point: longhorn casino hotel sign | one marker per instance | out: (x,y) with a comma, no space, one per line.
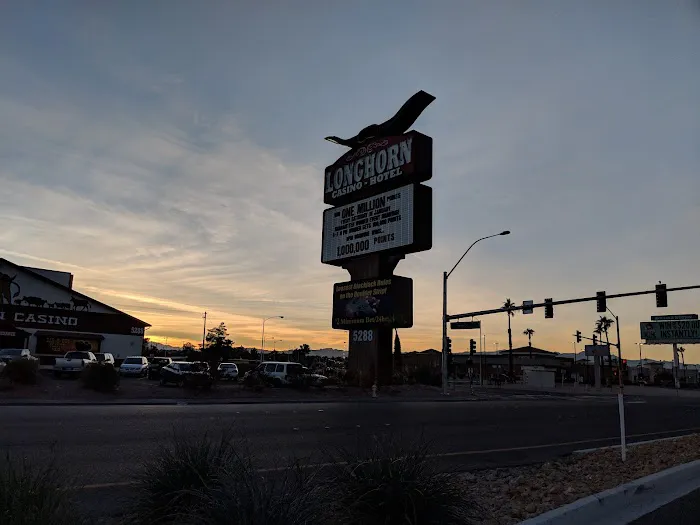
(380,165)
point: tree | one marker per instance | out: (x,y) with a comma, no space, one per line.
(217,344)
(508,307)
(529,332)
(302,352)
(397,352)
(190,352)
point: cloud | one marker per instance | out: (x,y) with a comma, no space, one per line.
(176,170)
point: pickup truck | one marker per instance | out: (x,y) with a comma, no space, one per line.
(73,363)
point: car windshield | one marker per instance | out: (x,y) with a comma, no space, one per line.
(11,351)
(77,355)
(132,361)
(159,361)
(100,357)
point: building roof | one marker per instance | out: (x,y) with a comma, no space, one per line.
(53,283)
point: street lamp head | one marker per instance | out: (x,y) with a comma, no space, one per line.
(506,232)
(281,317)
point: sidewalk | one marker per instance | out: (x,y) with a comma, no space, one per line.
(578,390)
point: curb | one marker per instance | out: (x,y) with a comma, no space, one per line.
(173,402)
(628,502)
(634,444)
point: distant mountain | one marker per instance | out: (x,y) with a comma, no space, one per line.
(330,352)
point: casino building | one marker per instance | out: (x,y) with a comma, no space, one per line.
(40,310)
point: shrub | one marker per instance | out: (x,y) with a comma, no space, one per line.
(24,371)
(102,377)
(178,479)
(205,481)
(391,485)
(33,496)
(247,497)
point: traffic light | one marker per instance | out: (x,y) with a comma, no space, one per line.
(449,345)
(472,347)
(601,302)
(661,297)
(624,364)
(595,340)
(578,336)
(548,309)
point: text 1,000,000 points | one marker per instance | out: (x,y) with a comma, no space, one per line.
(352,248)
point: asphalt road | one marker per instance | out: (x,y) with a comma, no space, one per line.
(102,446)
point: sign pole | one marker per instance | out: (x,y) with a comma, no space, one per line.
(676,380)
(620,395)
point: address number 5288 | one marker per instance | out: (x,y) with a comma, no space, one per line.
(362,336)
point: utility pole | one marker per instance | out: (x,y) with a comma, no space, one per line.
(204,331)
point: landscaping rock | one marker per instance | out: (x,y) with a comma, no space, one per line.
(535,489)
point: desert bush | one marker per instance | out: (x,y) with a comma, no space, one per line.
(33,495)
(388,484)
(102,377)
(247,497)
(177,481)
(213,481)
(24,371)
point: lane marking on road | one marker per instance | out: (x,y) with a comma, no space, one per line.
(684,431)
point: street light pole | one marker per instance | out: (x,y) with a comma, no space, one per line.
(445,276)
(262,341)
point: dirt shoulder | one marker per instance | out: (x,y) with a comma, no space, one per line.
(509,495)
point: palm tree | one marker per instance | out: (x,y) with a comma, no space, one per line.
(529,332)
(602,326)
(508,307)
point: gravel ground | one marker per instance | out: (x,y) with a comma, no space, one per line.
(509,495)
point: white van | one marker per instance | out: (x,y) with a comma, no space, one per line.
(280,372)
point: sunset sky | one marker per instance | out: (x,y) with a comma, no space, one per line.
(170,155)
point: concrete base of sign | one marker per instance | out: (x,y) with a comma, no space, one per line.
(370,351)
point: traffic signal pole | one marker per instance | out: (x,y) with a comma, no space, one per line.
(567,301)
(444,333)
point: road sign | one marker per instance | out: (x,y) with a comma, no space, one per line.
(371,303)
(527,307)
(597,350)
(669,332)
(396,221)
(681,317)
(465,325)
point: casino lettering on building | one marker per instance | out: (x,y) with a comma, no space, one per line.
(40,310)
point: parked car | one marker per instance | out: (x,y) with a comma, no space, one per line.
(183,373)
(228,371)
(134,366)
(317,380)
(105,358)
(280,373)
(155,364)
(16,354)
(73,363)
